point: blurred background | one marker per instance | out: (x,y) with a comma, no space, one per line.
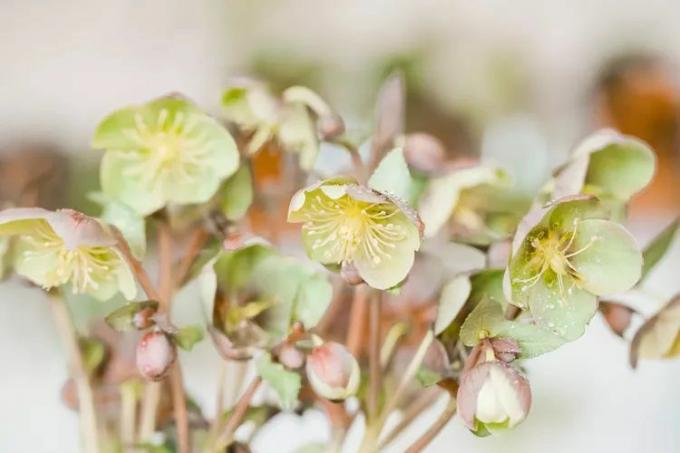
(520,82)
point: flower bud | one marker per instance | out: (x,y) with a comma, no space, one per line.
(493,396)
(330,126)
(424,153)
(290,356)
(155,354)
(332,371)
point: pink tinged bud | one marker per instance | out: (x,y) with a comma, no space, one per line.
(290,356)
(617,316)
(424,153)
(505,349)
(493,394)
(330,126)
(155,355)
(332,371)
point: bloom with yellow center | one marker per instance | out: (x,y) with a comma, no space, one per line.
(566,255)
(65,247)
(347,223)
(165,151)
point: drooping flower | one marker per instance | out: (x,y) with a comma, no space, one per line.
(66,247)
(564,256)
(165,151)
(295,120)
(493,396)
(333,371)
(606,164)
(344,222)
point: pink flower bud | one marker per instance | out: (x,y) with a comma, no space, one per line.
(290,356)
(332,371)
(330,126)
(155,354)
(492,396)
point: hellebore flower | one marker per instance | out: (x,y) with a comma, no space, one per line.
(55,248)
(156,352)
(564,256)
(344,222)
(609,165)
(165,151)
(333,371)
(493,396)
(288,120)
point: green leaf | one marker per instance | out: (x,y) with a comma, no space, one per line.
(487,321)
(393,176)
(453,297)
(656,249)
(122,319)
(427,377)
(188,336)
(236,194)
(286,383)
(93,352)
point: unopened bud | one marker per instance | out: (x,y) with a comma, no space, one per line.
(333,371)
(330,126)
(155,355)
(492,396)
(424,153)
(617,316)
(290,356)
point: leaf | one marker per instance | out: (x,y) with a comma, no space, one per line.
(122,319)
(313,298)
(656,249)
(453,297)
(427,377)
(286,383)
(393,176)
(236,194)
(188,336)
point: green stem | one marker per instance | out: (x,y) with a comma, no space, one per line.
(86,407)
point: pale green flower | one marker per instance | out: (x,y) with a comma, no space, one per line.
(563,257)
(290,121)
(65,247)
(347,223)
(606,164)
(165,151)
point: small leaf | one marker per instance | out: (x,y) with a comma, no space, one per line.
(93,352)
(123,318)
(393,176)
(656,249)
(453,297)
(188,336)
(285,383)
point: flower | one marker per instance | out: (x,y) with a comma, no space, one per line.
(493,396)
(165,151)
(288,120)
(156,352)
(333,372)
(55,248)
(344,222)
(564,256)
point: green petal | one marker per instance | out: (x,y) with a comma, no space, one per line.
(393,176)
(566,315)
(297,133)
(130,224)
(285,383)
(128,189)
(453,297)
(610,261)
(108,134)
(623,167)
(389,271)
(236,194)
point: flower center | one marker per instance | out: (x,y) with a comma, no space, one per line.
(84,267)
(551,253)
(168,149)
(345,226)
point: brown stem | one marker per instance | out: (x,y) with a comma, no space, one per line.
(239,412)
(357,163)
(357,319)
(136,266)
(435,429)
(414,410)
(375,370)
(198,238)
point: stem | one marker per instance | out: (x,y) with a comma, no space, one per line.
(357,163)
(375,370)
(414,410)
(198,238)
(435,429)
(86,407)
(127,417)
(166,288)
(357,319)
(239,412)
(147,418)
(373,429)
